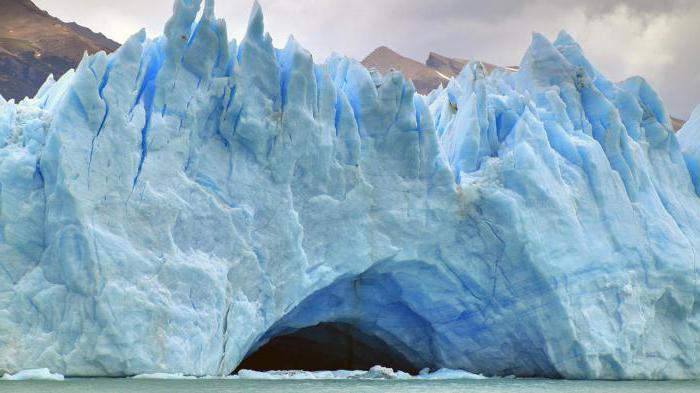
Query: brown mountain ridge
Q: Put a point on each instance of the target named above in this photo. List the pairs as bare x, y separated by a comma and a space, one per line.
34, 44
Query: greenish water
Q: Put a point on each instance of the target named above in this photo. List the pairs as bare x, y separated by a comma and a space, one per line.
354, 386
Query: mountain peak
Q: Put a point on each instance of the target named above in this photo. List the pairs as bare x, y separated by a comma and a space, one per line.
384, 50
380, 56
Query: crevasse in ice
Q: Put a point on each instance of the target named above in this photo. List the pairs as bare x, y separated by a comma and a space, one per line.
173, 206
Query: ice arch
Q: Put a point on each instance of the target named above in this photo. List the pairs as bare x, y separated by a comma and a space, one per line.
326, 346
403, 313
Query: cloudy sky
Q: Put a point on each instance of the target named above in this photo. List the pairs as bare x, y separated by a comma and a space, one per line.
653, 38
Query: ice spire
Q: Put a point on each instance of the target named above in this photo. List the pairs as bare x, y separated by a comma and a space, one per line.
256, 55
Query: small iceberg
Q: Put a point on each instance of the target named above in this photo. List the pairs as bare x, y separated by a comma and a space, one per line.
446, 373
39, 374
379, 372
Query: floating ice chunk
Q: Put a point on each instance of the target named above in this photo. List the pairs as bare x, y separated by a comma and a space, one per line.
379, 372
39, 374
446, 373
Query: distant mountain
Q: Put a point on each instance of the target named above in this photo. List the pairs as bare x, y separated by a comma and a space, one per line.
424, 78
34, 44
438, 69
677, 123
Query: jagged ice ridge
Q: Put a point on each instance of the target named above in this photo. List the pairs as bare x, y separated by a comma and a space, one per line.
171, 207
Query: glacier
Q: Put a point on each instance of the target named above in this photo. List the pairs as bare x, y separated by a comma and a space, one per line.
172, 207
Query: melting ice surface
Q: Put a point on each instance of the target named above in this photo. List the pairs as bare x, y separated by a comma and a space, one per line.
174, 206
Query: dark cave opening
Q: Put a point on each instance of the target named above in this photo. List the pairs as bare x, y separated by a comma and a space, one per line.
326, 346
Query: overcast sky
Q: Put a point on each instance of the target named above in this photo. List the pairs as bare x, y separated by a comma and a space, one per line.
657, 39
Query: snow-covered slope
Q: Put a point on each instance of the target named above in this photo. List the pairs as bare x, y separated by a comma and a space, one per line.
170, 207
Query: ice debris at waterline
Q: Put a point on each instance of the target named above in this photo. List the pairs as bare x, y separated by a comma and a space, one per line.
163, 376
41, 374
172, 207
376, 372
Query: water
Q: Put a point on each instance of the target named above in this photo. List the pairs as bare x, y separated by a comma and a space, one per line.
343, 386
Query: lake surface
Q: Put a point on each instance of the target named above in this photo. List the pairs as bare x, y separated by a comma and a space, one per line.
354, 386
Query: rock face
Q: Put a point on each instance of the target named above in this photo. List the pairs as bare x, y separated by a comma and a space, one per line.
179, 203
34, 45
677, 124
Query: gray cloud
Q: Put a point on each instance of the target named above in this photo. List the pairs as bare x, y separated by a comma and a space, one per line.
622, 38
641, 7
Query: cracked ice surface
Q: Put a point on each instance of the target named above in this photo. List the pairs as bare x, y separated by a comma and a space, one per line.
173, 206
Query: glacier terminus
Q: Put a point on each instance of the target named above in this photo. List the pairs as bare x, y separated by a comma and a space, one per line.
172, 207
